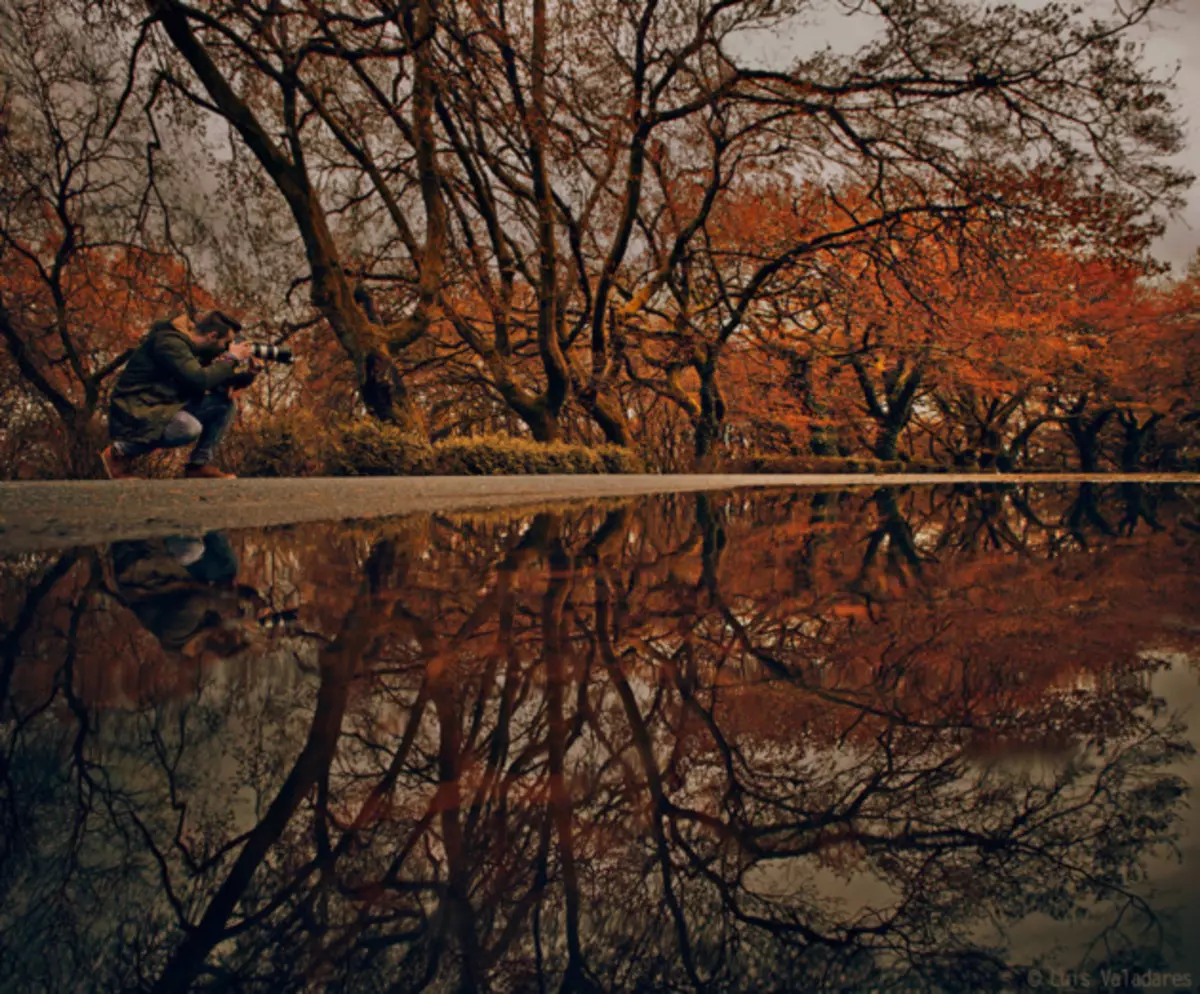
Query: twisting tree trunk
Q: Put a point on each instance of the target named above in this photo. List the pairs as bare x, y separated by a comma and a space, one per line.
1085, 433
553, 361
598, 395
821, 439
892, 411
711, 415
381, 387
77, 416
1136, 436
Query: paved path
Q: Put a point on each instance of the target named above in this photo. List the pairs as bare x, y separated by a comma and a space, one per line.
50, 515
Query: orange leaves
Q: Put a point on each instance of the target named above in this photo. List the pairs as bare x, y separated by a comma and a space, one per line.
850, 609
109, 299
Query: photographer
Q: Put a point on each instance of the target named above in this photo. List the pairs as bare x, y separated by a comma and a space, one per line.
184, 591
174, 391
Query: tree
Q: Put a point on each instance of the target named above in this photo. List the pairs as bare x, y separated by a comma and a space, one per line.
80, 280
521, 167
606, 748
304, 106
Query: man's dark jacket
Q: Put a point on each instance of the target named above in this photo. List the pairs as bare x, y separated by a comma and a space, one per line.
161, 377
174, 601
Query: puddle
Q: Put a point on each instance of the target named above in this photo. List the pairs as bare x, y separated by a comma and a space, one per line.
930, 738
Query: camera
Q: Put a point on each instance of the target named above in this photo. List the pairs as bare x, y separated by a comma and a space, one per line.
271, 353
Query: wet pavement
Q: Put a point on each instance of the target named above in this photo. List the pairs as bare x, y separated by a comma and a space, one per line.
54, 514
915, 738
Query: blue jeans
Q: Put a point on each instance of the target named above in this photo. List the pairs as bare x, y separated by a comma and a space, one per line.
203, 421
209, 560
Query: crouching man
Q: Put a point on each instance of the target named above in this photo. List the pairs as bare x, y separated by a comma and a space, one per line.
175, 391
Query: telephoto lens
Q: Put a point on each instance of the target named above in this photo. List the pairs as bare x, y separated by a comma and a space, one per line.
271, 353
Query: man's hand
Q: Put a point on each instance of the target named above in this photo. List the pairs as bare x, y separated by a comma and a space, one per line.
241, 379
241, 351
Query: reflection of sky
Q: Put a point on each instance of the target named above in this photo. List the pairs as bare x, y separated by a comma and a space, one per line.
254, 713
1173, 888
1180, 882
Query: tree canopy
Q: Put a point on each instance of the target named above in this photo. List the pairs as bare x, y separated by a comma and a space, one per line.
588, 221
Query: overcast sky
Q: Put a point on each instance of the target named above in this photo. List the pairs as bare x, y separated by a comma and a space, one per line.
1172, 45
1174, 40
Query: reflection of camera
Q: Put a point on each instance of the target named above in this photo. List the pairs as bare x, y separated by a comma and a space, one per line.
271, 353
279, 619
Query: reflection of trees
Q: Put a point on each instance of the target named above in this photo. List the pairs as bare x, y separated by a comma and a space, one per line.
710, 742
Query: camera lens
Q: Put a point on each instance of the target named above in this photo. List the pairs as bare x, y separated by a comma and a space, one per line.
272, 353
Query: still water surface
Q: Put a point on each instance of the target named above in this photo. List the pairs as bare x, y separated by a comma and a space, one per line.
919, 739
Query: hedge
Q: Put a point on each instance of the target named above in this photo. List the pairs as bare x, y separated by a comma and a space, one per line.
369, 448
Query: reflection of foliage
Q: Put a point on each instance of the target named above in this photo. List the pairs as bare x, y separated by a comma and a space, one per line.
756, 741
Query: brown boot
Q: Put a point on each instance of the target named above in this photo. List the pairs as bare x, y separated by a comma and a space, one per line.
117, 466
205, 471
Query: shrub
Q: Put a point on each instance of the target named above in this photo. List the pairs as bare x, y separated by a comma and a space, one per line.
618, 459
291, 442
498, 455
279, 447
371, 448
928, 466
494, 455
830, 464
299, 444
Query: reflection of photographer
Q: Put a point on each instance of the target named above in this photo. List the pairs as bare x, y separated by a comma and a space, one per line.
184, 591
175, 390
